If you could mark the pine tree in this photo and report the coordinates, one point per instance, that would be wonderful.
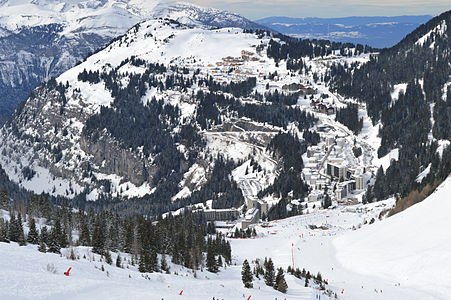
(85, 237)
(118, 261)
(269, 273)
(4, 228)
(13, 231)
(44, 235)
(108, 259)
(142, 263)
(153, 261)
(164, 263)
(53, 240)
(211, 261)
(219, 261)
(63, 239)
(281, 284)
(246, 275)
(187, 259)
(98, 239)
(33, 236)
(42, 247)
(4, 200)
(21, 239)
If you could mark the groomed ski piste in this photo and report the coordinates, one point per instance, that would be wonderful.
(401, 257)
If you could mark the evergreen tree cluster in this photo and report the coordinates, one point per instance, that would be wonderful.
(293, 50)
(290, 149)
(410, 164)
(349, 116)
(307, 276)
(242, 234)
(187, 238)
(281, 98)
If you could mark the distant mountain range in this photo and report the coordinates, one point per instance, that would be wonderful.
(379, 32)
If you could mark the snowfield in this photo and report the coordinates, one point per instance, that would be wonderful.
(402, 257)
(26, 273)
(411, 248)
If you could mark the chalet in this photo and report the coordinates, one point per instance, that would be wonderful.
(294, 87)
(330, 110)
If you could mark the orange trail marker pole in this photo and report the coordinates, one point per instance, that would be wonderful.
(249, 298)
(181, 292)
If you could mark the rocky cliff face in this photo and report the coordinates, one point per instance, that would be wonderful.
(47, 129)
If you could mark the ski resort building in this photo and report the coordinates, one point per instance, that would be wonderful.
(221, 214)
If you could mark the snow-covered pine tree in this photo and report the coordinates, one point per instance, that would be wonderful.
(21, 239)
(153, 261)
(85, 236)
(98, 239)
(53, 239)
(246, 275)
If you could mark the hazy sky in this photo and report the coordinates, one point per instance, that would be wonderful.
(255, 9)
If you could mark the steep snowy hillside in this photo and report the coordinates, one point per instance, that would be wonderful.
(41, 39)
(411, 248)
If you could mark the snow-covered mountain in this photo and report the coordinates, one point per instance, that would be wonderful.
(58, 117)
(41, 39)
(200, 91)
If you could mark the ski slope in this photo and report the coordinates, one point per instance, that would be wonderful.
(401, 257)
(411, 248)
(26, 273)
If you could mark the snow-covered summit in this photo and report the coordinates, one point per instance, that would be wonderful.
(113, 16)
(186, 13)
